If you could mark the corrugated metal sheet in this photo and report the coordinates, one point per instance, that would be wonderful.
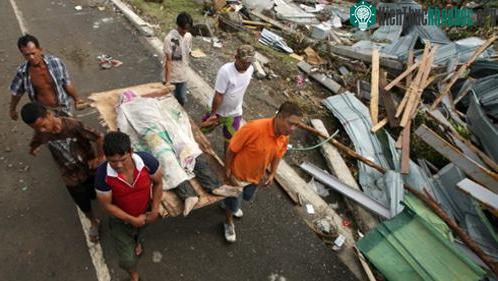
(379, 147)
(481, 127)
(401, 47)
(463, 208)
(387, 32)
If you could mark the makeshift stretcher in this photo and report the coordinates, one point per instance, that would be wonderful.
(107, 103)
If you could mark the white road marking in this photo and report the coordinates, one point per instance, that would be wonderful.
(19, 17)
(94, 249)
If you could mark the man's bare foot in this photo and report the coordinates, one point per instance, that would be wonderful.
(80, 105)
(139, 249)
(227, 190)
(93, 232)
(134, 276)
(189, 205)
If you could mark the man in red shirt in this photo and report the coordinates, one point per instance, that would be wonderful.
(257, 146)
(124, 185)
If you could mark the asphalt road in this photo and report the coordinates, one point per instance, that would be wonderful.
(39, 226)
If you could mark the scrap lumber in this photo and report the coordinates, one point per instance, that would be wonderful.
(374, 91)
(379, 125)
(481, 194)
(257, 23)
(455, 228)
(338, 166)
(388, 101)
(400, 77)
(365, 56)
(364, 264)
(429, 201)
(343, 148)
(281, 26)
(321, 78)
(475, 171)
(409, 63)
(405, 149)
(419, 83)
(461, 71)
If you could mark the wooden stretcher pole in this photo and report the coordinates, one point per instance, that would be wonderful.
(425, 198)
(344, 148)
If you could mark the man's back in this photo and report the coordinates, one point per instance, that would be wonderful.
(232, 84)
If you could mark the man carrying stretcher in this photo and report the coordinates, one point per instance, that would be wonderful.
(162, 128)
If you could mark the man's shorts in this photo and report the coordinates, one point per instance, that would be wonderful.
(83, 194)
(233, 203)
(231, 124)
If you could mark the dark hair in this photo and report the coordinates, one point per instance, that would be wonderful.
(116, 143)
(288, 108)
(184, 20)
(25, 39)
(30, 112)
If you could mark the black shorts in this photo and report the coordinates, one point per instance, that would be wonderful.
(83, 194)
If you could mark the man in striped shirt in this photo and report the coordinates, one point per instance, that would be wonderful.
(45, 78)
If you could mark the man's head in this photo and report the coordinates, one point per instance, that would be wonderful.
(30, 48)
(287, 118)
(184, 22)
(38, 118)
(117, 150)
(244, 57)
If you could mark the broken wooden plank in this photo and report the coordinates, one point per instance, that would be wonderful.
(410, 61)
(364, 264)
(388, 101)
(379, 125)
(461, 71)
(281, 26)
(418, 83)
(338, 166)
(475, 171)
(321, 78)
(374, 90)
(480, 193)
(365, 56)
(400, 77)
(405, 149)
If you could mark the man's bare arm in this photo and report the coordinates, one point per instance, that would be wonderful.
(157, 194)
(105, 199)
(71, 91)
(273, 170)
(217, 100)
(14, 101)
(168, 64)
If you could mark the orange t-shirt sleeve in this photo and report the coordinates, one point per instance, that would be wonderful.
(282, 149)
(240, 138)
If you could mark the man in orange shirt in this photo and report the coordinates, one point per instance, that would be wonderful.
(255, 147)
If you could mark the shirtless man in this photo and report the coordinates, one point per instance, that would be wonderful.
(44, 78)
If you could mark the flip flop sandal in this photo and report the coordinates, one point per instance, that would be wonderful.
(93, 233)
(141, 252)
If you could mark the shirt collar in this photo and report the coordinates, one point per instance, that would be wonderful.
(271, 129)
(139, 165)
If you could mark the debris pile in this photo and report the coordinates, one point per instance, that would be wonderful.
(402, 93)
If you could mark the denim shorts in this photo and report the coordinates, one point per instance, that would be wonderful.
(233, 203)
